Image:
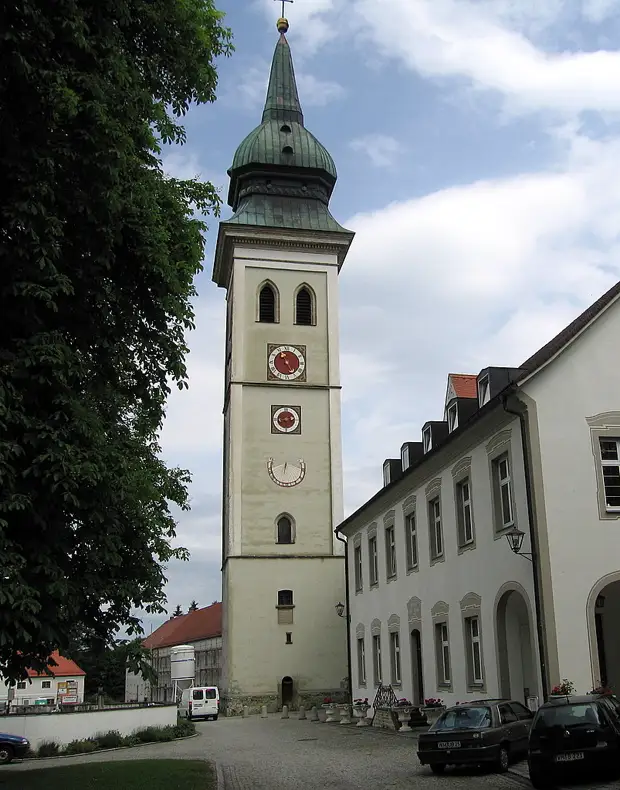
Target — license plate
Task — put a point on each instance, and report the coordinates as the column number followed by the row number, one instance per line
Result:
column 449, row 745
column 569, row 758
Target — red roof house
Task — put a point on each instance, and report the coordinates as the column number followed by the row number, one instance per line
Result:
column 65, row 668
column 204, row 623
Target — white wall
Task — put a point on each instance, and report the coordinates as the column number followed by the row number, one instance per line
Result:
column 34, row 690
column 486, row 570
column 66, row 727
column 582, row 382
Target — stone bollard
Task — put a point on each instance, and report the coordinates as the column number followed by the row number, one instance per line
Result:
column 345, row 715
column 302, row 712
column 263, row 712
column 246, row 710
column 285, row 711
column 314, row 714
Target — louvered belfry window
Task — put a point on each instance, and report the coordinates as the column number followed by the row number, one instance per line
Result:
column 303, row 307
column 267, row 305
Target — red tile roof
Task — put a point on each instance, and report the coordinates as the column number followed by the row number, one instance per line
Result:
column 66, row 668
column 201, row 624
column 465, row 385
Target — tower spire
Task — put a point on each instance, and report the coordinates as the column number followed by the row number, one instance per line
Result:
column 282, row 102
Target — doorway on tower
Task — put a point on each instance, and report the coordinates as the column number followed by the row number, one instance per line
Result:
column 287, row 691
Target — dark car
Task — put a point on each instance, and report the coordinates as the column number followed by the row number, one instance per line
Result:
column 492, row 731
column 12, row 746
column 574, row 732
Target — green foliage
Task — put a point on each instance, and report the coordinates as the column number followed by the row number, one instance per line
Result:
column 178, row 612
column 48, row 749
column 109, row 740
column 81, row 747
column 184, row 728
column 193, row 607
column 98, row 253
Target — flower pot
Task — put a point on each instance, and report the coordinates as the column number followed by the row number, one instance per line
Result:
column 332, row 712
column 360, row 712
column 404, row 714
column 432, row 714
column 345, row 714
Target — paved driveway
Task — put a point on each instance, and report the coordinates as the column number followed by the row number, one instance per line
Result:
column 276, row 754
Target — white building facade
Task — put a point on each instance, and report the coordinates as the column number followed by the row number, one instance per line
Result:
column 278, row 258
column 440, row 604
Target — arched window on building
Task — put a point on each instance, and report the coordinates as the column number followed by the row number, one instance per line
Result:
column 285, row 598
column 285, row 530
column 267, row 304
column 304, row 307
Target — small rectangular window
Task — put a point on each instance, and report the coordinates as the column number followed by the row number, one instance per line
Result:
column 373, row 560
column 198, row 694
column 484, row 394
column 21, row 684
column 411, row 541
column 376, row 659
column 472, row 631
column 464, row 513
column 404, row 457
column 46, row 684
column 386, row 474
column 453, row 418
column 443, row 653
column 289, row 638
column 503, row 488
column 427, row 439
column 361, row 662
column 210, row 694
column 395, row 657
column 436, row 535
column 390, row 552
column 285, row 597
column 357, row 559
column 610, row 461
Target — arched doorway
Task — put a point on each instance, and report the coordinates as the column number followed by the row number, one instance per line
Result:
column 517, row 674
column 603, row 618
column 287, row 691
column 417, row 671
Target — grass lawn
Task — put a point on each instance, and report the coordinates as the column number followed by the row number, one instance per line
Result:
column 122, row 775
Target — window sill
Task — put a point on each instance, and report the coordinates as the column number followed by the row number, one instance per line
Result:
column 499, row 532
column 444, row 687
column 359, row 591
column 413, row 569
column 396, row 684
column 391, row 578
column 467, row 547
column 440, row 558
column 285, row 606
column 374, row 585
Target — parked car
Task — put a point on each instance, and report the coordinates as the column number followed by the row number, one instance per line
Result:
column 12, row 746
column 491, row 731
column 574, row 732
column 200, row 702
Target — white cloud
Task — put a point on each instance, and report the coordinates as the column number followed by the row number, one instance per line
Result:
column 597, row 11
column 314, row 92
column 313, row 22
column 381, row 149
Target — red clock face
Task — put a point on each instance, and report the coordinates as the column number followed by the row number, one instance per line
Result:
column 286, row 362
column 286, row 419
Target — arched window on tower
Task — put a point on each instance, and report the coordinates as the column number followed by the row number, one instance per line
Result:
column 285, row 530
column 304, row 307
column 267, row 304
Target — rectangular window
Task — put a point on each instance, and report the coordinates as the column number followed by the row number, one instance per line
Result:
column 390, row 552
column 484, row 394
column 373, row 560
column 472, row 631
column 503, row 488
column 289, row 638
column 361, row 662
column 357, row 558
column 610, row 461
column 21, row 684
column 464, row 514
column 411, row 541
column 376, row 659
column 404, row 457
column 443, row 653
column 427, row 439
column 285, row 597
column 453, row 417
column 395, row 657
column 386, row 473
column 46, row 684
column 434, row 522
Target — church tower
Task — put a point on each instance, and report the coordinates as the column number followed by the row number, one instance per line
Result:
column 278, row 258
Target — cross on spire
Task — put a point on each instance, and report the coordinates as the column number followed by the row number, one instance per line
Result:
column 283, row 2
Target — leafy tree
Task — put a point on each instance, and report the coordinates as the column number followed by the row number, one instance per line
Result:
column 98, row 253
column 178, row 612
column 193, row 607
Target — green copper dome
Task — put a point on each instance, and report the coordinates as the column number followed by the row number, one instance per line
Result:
column 281, row 157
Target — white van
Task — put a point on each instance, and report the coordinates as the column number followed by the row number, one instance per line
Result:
column 200, row 702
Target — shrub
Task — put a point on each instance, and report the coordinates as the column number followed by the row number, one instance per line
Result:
column 146, row 734
column 183, row 728
column 80, row 747
column 110, row 740
column 48, row 749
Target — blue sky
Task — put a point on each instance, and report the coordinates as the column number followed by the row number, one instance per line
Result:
column 478, row 152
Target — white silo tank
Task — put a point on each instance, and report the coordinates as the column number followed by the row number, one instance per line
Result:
column 182, row 663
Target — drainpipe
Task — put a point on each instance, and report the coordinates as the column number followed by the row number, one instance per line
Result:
column 348, row 612
column 527, row 469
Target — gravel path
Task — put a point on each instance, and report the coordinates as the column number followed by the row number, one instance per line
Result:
column 276, row 754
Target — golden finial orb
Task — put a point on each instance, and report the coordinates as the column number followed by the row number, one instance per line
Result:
column 282, row 25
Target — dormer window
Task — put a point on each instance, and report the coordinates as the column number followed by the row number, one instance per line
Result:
column 427, row 439
column 484, row 393
column 453, row 417
column 404, row 457
column 386, row 473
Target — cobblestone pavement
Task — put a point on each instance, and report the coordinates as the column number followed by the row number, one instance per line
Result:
column 276, row 754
